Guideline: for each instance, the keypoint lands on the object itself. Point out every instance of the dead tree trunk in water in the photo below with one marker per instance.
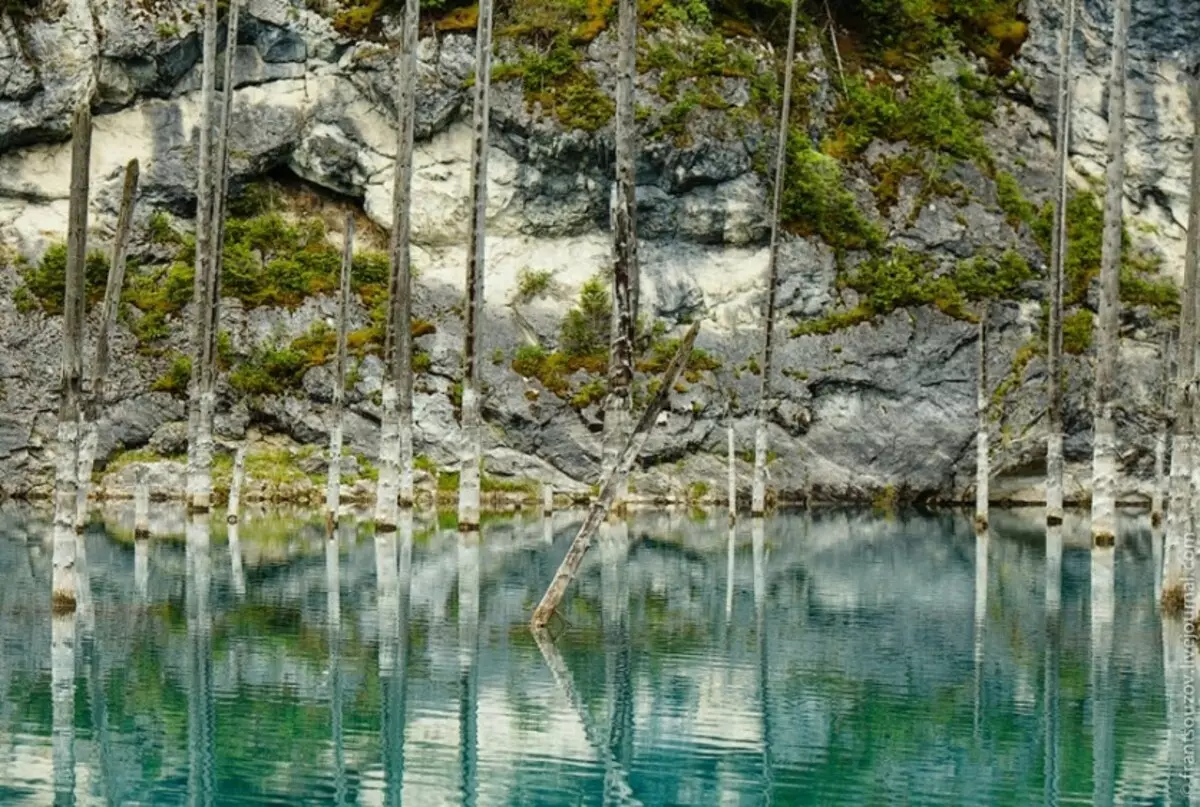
(199, 460)
(758, 504)
(472, 420)
(94, 408)
(1160, 438)
(233, 513)
(1058, 257)
(1104, 451)
(1179, 518)
(337, 414)
(983, 467)
(396, 434)
(66, 462)
(610, 484)
(732, 470)
(618, 404)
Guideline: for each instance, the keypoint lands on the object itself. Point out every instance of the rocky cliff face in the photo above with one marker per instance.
(885, 404)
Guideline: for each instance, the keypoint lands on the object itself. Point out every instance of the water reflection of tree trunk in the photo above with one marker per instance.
(1102, 695)
(1053, 638)
(333, 626)
(758, 534)
(201, 717)
(618, 659)
(982, 544)
(1175, 663)
(141, 568)
(468, 653)
(62, 687)
(235, 560)
(729, 569)
(391, 665)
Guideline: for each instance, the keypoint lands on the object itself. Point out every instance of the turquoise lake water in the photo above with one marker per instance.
(824, 658)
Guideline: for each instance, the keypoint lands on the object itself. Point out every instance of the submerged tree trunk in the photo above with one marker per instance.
(62, 705)
(141, 503)
(199, 460)
(66, 461)
(1102, 684)
(732, 470)
(618, 405)
(1058, 256)
(983, 465)
(94, 408)
(235, 485)
(1179, 516)
(610, 484)
(758, 504)
(547, 499)
(395, 450)
(1104, 452)
(472, 420)
(333, 485)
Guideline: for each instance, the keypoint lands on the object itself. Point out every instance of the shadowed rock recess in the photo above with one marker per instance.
(917, 185)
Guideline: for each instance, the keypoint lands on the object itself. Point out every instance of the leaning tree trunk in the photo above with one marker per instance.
(67, 468)
(1104, 453)
(758, 503)
(1058, 256)
(472, 419)
(983, 466)
(396, 449)
(94, 408)
(333, 485)
(1179, 517)
(618, 404)
(199, 459)
(610, 484)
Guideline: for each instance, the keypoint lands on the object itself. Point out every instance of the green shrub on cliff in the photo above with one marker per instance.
(45, 281)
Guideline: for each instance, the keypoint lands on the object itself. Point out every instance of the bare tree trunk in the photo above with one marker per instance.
(618, 405)
(983, 466)
(63, 586)
(982, 542)
(1102, 684)
(396, 438)
(1058, 254)
(62, 705)
(1160, 441)
(1104, 453)
(337, 414)
(547, 499)
(1179, 517)
(732, 470)
(469, 485)
(94, 406)
(233, 511)
(199, 461)
(610, 484)
(758, 504)
(141, 504)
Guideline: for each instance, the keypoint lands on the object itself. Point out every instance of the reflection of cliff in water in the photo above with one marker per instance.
(367, 671)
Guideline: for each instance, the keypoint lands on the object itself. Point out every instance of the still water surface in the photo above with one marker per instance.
(826, 658)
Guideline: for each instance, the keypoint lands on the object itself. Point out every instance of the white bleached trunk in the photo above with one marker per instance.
(1102, 694)
(982, 544)
(1058, 253)
(547, 499)
(201, 728)
(1104, 449)
(236, 480)
(732, 471)
(89, 437)
(333, 484)
(730, 549)
(472, 420)
(141, 568)
(1156, 494)
(983, 466)
(758, 502)
(141, 503)
(236, 572)
(386, 489)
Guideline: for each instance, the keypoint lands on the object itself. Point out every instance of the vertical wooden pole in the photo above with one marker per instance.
(732, 468)
(1058, 253)
(235, 485)
(337, 414)
(63, 586)
(469, 486)
(1104, 449)
(758, 504)
(983, 466)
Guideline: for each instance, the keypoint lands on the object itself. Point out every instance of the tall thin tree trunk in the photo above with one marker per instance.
(1101, 686)
(62, 705)
(67, 469)
(199, 460)
(609, 485)
(337, 413)
(199, 676)
(732, 470)
(396, 432)
(983, 466)
(758, 503)
(1179, 517)
(1058, 255)
(141, 503)
(236, 480)
(94, 407)
(618, 403)
(472, 419)
(1160, 440)
(1104, 453)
